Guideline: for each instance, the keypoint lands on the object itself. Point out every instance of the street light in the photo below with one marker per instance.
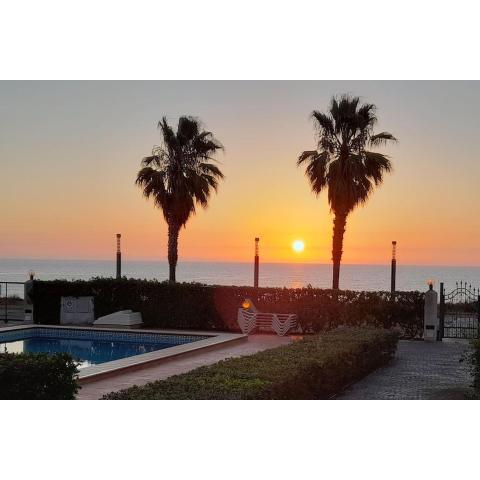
(394, 266)
(256, 264)
(119, 258)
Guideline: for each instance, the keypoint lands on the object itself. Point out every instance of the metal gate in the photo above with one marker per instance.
(12, 301)
(459, 312)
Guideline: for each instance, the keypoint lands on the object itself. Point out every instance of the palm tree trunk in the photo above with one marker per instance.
(173, 230)
(339, 224)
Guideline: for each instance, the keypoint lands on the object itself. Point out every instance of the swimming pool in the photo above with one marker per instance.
(89, 346)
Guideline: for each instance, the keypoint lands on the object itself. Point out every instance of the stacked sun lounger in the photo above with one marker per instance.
(250, 319)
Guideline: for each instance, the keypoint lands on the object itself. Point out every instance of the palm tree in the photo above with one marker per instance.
(180, 175)
(343, 163)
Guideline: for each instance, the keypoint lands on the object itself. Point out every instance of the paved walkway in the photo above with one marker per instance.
(177, 365)
(419, 371)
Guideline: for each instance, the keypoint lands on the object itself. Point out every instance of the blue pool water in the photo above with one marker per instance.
(89, 347)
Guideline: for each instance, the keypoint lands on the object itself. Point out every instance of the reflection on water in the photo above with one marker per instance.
(87, 352)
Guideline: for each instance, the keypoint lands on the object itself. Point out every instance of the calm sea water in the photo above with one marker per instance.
(354, 277)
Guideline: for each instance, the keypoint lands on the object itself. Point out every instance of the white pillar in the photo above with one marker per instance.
(430, 318)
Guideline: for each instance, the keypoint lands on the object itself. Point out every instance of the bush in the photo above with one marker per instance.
(196, 306)
(317, 367)
(473, 357)
(37, 376)
(163, 305)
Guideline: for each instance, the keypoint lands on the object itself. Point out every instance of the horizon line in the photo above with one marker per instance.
(243, 262)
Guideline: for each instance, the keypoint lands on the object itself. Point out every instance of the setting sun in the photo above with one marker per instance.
(298, 245)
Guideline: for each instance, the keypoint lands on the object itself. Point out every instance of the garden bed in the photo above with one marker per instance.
(317, 367)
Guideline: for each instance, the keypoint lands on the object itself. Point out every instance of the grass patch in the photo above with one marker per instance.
(317, 367)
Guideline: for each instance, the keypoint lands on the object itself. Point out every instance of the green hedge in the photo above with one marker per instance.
(473, 358)
(196, 306)
(317, 367)
(37, 376)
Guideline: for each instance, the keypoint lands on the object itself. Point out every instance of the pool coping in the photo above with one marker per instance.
(102, 370)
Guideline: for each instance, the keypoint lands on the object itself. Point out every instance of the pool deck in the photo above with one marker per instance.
(180, 364)
(11, 323)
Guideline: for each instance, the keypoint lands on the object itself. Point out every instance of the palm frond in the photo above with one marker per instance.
(168, 135)
(375, 165)
(306, 155)
(381, 139)
(316, 168)
(187, 130)
(366, 116)
(211, 169)
(323, 122)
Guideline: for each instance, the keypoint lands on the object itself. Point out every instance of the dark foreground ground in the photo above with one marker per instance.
(419, 371)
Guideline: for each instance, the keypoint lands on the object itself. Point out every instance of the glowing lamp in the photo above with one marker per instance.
(246, 304)
(430, 284)
(31, 274)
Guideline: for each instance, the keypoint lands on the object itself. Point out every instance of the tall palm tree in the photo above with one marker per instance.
(344, 164)
(180, 175)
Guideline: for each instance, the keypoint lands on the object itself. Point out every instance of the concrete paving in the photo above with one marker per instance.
(419, 371)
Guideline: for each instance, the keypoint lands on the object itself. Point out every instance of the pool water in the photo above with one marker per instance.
(89, 347)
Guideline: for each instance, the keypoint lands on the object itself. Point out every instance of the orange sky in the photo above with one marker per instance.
(70, 152)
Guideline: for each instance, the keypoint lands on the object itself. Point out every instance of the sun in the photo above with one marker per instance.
(298, 246)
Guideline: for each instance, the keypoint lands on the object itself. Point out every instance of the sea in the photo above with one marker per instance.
(291, 275)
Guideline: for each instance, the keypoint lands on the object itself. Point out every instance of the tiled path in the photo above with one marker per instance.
(182, 364)
(420, 370)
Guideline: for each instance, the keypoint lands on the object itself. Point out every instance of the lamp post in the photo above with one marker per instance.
(394, 267)
(119, 258)
(256, 263)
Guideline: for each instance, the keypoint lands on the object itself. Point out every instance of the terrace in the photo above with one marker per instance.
(113, 360)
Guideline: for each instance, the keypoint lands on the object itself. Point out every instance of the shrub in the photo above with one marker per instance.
(473, 358)
(317, 367)
(196, 306)
(37, 376)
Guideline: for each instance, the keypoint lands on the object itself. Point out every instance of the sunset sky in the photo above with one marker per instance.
(70, 152)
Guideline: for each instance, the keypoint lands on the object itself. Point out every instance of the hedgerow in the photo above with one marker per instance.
(203, 307)
(473, 358)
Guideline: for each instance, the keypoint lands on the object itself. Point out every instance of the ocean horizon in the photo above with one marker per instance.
(291, 275)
